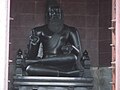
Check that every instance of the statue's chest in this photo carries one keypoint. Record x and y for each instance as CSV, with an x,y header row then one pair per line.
x,y
62,37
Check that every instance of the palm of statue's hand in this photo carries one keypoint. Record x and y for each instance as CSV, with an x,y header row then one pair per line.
x,y
34,40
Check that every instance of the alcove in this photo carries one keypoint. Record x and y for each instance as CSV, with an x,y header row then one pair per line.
x,y
91,17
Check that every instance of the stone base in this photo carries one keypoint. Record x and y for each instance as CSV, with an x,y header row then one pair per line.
x,y
52,88
52,83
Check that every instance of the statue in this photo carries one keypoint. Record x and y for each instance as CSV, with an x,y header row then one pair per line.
x,y
53,55
54,49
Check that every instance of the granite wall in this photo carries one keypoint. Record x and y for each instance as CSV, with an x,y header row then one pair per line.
x,y
102,78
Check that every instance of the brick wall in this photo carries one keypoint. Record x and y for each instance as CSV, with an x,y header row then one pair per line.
x,y
104,33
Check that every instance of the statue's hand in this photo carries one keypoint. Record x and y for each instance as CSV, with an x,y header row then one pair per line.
x,y
34,39
67,49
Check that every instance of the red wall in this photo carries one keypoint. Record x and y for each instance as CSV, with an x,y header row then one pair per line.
x,y
105,39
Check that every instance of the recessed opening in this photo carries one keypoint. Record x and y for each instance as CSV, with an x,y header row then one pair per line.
x,y
92,18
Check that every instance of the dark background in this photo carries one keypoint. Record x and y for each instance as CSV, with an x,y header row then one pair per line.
x,y
91,17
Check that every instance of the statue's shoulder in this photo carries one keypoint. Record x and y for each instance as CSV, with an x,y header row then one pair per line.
x,y
40,28
70,28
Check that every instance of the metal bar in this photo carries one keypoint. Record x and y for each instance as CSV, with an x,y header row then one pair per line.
x,y
59,79
53,84
113,20
111,28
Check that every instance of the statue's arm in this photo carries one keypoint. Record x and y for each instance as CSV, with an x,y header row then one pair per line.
x,y
75,40
33,46
82,56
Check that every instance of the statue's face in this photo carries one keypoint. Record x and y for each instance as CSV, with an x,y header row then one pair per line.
x,y
55,22
55,13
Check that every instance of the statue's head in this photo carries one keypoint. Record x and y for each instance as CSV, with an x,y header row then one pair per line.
x,y
55,13
55,18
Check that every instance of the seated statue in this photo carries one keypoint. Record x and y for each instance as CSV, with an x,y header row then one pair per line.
x,y
54,49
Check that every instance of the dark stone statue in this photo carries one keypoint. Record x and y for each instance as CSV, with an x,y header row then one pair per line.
x,y
53,55
54,47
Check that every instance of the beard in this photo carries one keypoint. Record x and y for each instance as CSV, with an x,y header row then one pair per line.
x,y
55,25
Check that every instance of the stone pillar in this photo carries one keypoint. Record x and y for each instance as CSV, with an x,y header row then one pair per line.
x,y
117,44
4,43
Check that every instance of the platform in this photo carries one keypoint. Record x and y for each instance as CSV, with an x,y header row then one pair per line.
x,y
22,81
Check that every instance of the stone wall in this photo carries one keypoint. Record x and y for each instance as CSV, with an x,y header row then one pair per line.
x,y
102,78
